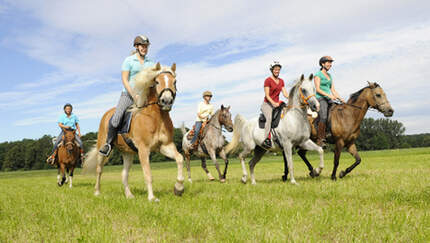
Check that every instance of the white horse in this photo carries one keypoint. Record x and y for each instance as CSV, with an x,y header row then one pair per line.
x,y
293,130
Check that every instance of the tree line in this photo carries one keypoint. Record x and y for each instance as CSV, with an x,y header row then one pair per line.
x,y
31,154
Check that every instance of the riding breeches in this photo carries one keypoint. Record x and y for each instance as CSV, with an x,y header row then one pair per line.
x,y
60,137
324,108
124,102
267,110
197,128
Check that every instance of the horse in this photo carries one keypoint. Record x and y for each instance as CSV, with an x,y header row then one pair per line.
x,y
68,157
344,123
212,142
293,130
151,129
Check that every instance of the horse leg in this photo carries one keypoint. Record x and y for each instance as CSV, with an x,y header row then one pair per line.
x,y
171,152
67,175
127,158
210,177
100,164
188,158
224,157
63,176
144,162
337,150
242,157
258,153
284,177
288,149
71,176
310,145
58,175
352,149
212,154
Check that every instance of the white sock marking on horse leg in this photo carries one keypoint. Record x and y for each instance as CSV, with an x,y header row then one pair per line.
x,y
71,181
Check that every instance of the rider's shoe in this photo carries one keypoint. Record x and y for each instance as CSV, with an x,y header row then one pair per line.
x,y
111,136
267,143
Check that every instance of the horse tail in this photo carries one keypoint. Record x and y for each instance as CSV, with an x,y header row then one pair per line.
x,y
91,161
183,130
239,122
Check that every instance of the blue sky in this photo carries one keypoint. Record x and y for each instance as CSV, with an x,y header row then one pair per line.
x,y
54,52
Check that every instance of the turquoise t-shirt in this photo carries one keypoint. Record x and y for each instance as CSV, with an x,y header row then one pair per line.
x,y
69,121
132,64
325,84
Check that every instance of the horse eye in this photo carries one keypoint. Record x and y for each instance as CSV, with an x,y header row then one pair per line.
x,y
378,95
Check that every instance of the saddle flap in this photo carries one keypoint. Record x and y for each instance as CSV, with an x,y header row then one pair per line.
x,y
276,117
124,125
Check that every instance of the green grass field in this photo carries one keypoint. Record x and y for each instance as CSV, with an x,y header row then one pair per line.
x,y
386,198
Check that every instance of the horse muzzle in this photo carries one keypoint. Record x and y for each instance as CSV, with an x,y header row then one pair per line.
x,y
166,100
314,104
229,128
389,112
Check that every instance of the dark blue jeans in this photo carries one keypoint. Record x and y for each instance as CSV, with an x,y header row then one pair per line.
x,y
196,131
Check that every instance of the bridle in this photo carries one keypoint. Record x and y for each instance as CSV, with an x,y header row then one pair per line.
x,y
305,99
162,91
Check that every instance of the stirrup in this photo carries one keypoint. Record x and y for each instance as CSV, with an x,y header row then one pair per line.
x,y
105,153
267,143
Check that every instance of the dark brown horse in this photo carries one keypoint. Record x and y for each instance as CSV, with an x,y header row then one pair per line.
x,y
344,124
68,157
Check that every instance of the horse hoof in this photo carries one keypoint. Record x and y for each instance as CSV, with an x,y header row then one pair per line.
x,y
222,180
59,184
284,178
342,174
243,180
333,178
97,193
129,196
294,183
190,181
154,200
178,192
211,178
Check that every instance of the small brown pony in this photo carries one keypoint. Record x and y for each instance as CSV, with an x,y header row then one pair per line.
x,y
68,157
345,123
151,129
211,143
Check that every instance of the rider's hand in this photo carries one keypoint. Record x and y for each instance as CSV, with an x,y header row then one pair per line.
x,y
136,98
275,105
332,97
343,101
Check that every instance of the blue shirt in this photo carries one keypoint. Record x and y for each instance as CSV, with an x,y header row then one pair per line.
x,y
132,64
69,121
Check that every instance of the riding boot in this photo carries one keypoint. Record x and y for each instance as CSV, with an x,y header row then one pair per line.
x,y
51,159
111,136
321,134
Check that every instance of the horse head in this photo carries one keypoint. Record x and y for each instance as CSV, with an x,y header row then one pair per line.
x,y
225,118
303,93
165,86
69,139
378,100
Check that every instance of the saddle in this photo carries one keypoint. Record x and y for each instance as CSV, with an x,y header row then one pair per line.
x,y
276,117
193,130
124,125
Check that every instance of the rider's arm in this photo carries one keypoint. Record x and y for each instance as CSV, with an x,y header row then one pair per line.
x,y
79,129
266,92
284,92
317,81
124,76
62,126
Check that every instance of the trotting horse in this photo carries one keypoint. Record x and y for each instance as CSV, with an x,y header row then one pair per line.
x,y
211,144
151,129
345,123
293,130
68,157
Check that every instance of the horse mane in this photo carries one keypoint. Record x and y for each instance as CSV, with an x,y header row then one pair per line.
x,y
354,96
145,79
214,115
293,90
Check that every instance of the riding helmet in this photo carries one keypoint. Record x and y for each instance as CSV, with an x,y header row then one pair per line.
x,y
141,40
274,64
326,59
67,104
207,93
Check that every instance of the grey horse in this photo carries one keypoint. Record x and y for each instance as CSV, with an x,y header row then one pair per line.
x,y
293,130
211,144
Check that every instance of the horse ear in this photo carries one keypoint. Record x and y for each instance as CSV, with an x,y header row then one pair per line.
x,y
302,77
311,76
157,66
173,67
371,85
228,108
222,107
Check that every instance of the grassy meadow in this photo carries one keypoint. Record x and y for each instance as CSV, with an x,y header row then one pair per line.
x,y
386,198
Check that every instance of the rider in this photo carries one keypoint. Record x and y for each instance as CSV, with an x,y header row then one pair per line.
x,y
204,110
130,67
273,85
68,120
326,94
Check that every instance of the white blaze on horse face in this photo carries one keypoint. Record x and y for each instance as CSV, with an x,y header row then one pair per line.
x,y
166,81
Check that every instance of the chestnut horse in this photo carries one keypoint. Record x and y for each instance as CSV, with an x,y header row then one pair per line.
x,y
68,157
151,129
345,123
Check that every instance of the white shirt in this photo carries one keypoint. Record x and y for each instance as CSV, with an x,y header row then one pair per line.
x,y
205,110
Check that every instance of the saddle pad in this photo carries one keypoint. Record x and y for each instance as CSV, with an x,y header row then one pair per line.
x,y
276,117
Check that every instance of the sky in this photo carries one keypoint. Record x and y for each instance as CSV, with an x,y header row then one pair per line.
x,y
55,52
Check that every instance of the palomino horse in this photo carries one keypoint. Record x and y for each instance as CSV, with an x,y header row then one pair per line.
x,y
345,123
150,130
293,130
68,157
213,142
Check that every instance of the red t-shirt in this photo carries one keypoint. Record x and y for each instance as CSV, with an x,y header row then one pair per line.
x,y
274,89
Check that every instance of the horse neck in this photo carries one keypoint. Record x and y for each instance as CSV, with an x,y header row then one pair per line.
x,y
294,101
214,122
359,114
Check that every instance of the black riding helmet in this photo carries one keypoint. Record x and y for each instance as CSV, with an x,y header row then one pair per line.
x,y
326,59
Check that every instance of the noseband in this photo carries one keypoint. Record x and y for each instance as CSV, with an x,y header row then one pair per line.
x,y
305,99
162,91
